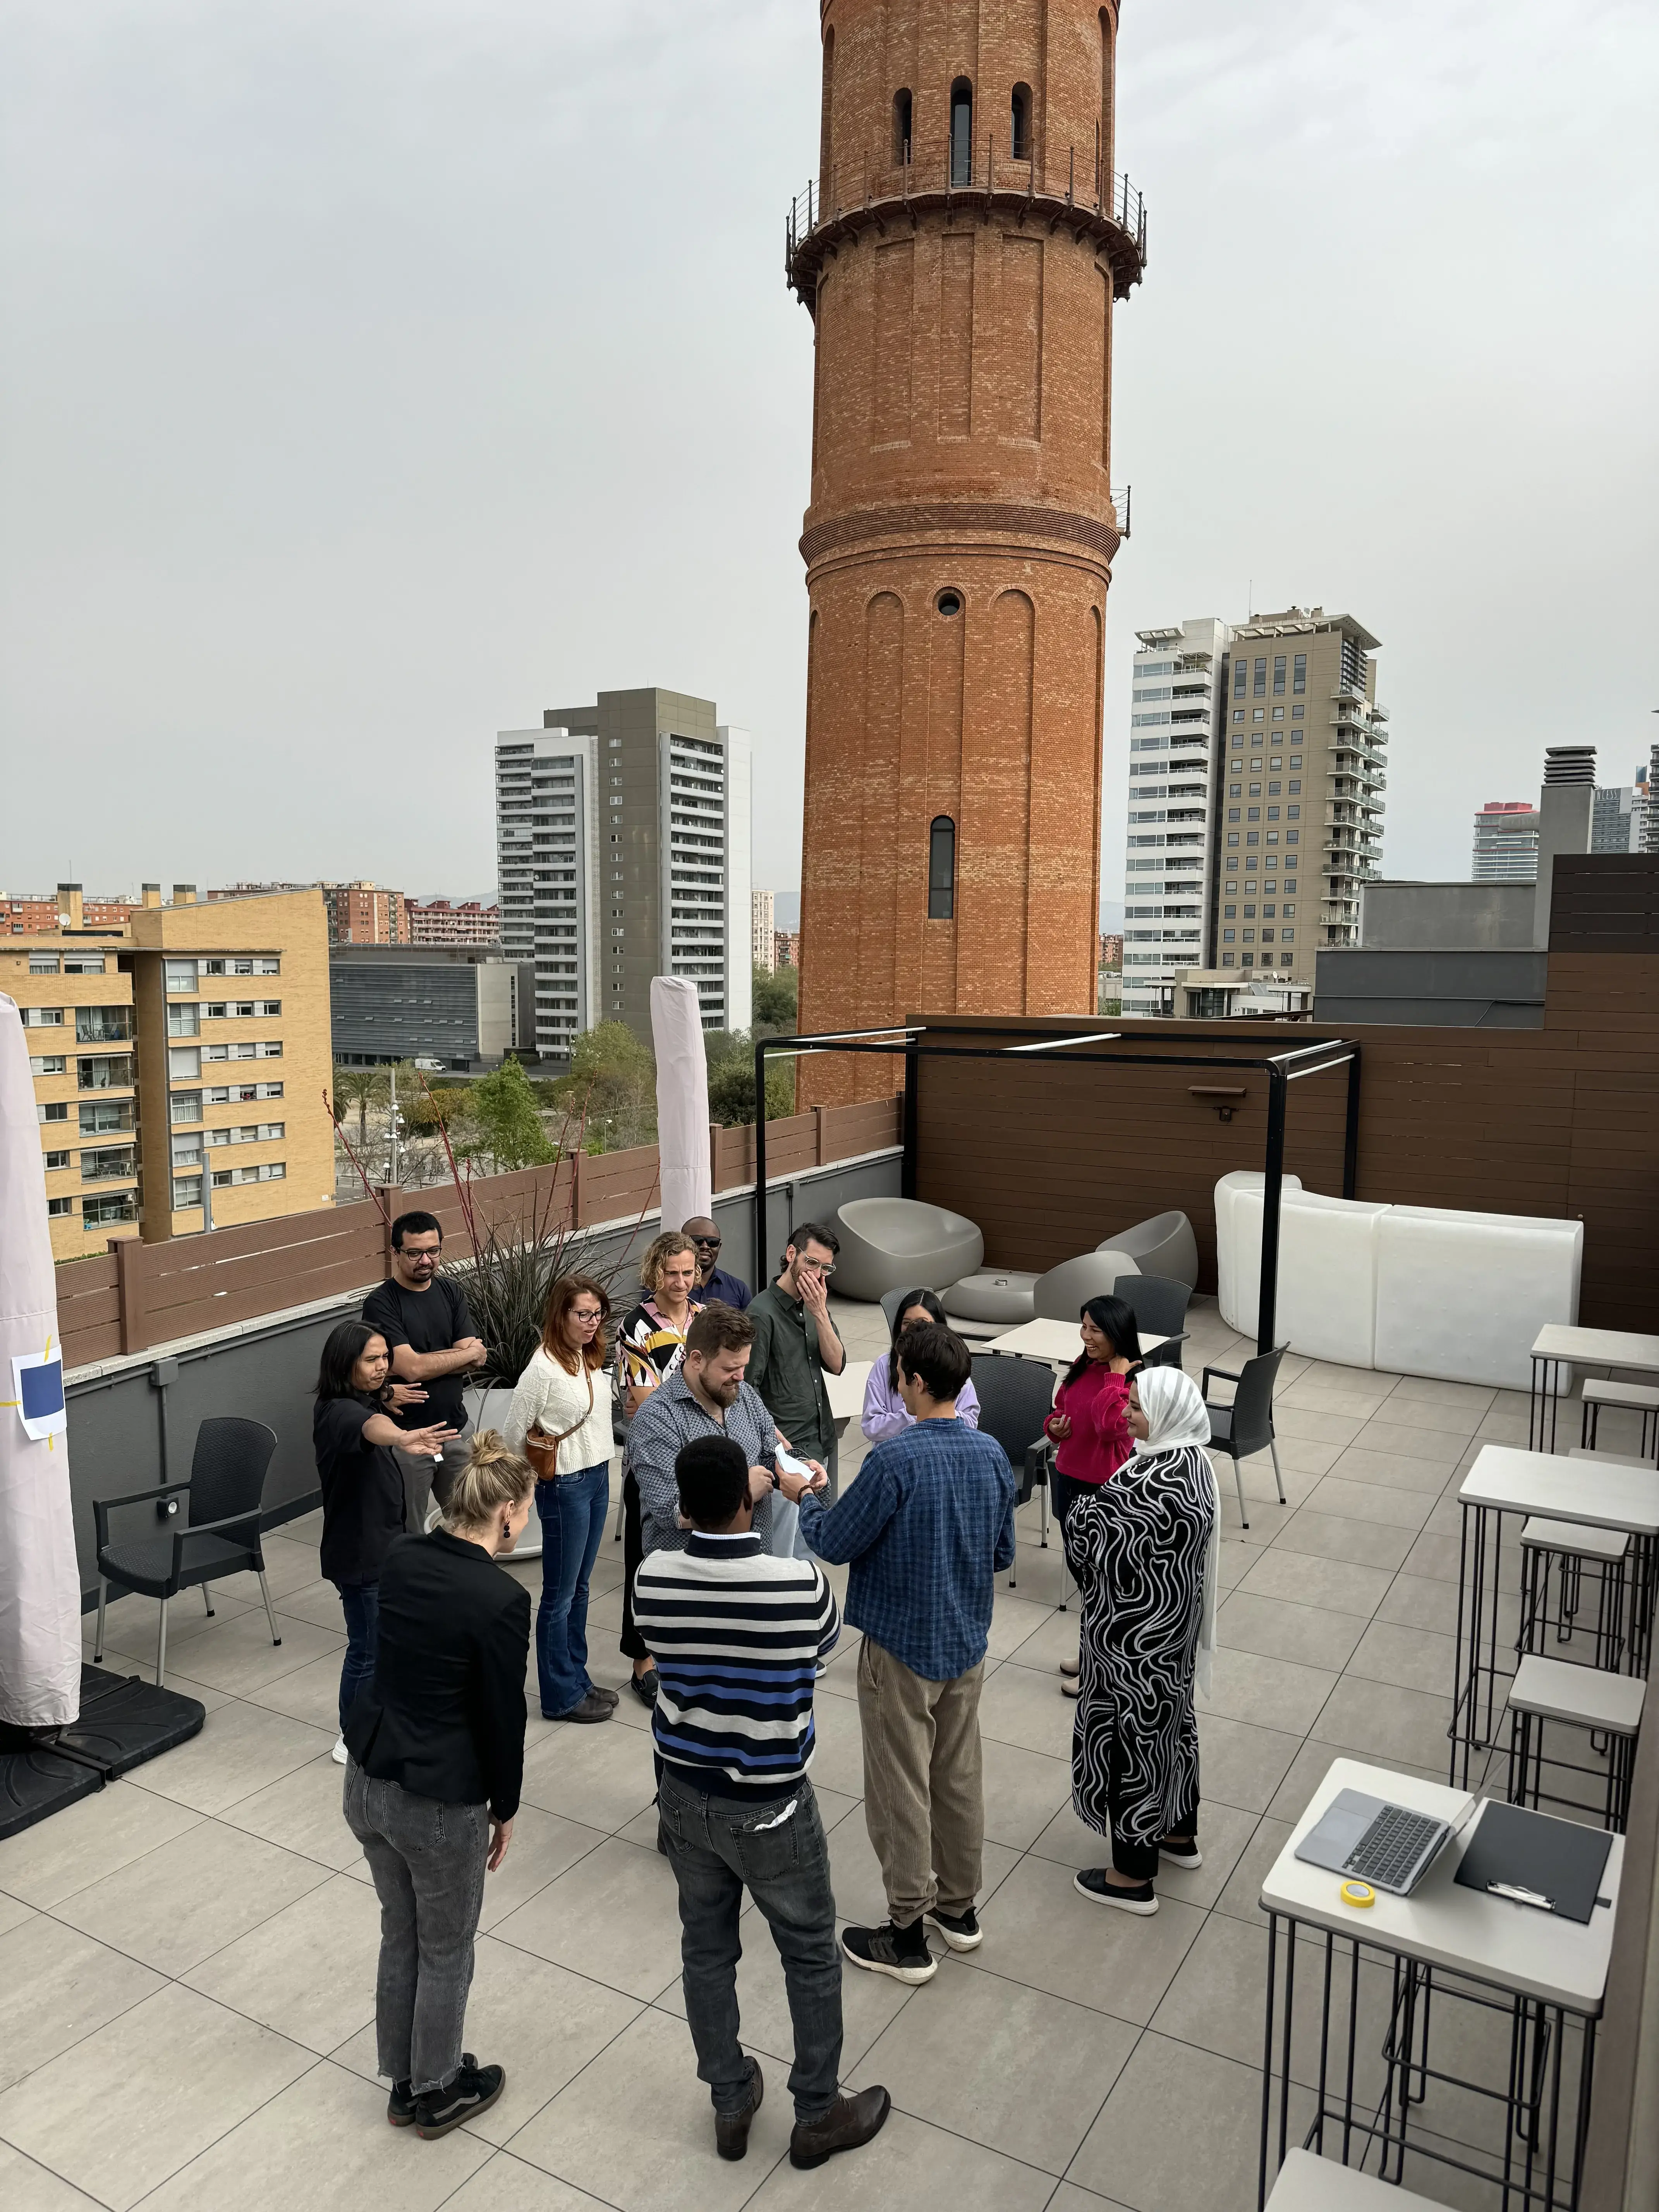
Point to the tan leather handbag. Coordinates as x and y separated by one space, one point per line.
542 1450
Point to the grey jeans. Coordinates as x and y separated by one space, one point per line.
719 1845
427 1861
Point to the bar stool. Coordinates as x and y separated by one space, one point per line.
1607 1706
1641 1398
1570 1548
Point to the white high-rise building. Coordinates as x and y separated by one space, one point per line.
623 837
1176 717
1505 842
763 932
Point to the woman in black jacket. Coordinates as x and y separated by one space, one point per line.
436 1745
363 1484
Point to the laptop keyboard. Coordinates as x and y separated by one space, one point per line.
1391 1847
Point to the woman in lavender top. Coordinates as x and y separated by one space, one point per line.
883 1408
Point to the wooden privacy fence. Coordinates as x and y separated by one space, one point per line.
138 1295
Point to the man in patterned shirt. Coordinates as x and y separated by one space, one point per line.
927 1526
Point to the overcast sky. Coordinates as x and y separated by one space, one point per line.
376 375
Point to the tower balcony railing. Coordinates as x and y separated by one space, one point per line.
872 191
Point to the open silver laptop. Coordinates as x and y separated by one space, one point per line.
1368 1839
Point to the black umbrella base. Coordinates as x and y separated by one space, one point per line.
123 1721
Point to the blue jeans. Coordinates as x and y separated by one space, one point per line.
360 1602
719 1845
572 1510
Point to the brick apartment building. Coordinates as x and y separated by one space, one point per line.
435 921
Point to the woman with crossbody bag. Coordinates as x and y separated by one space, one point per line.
560 1420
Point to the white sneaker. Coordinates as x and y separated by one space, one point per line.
338 1753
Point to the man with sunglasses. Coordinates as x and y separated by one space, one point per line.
714 1286
796 1345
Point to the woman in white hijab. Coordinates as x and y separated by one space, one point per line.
1143 1548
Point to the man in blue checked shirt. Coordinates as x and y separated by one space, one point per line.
927 1526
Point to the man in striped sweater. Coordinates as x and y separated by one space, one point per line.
737 1636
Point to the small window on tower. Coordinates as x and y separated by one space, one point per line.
942 869
949 603
900 130
1020 124
962 133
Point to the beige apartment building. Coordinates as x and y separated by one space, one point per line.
1299 828
180 1064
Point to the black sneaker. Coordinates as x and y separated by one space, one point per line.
474 2090
961 1930
1180 1851
644 1686
901 1952
1091 1883
400 2105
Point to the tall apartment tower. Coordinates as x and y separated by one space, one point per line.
1177 720
624 848
1505 842
960 252
764 908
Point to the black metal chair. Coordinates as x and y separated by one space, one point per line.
1158 1303
221 1536
1246 1426
1016 1397
890 1303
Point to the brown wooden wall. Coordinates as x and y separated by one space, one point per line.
1557 1121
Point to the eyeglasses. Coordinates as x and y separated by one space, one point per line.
824 1268
585 1320
707 1243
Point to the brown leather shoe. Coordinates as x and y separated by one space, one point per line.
731 2129
849 2122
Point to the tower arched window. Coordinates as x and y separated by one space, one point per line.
962 133
1019 133
902 113
942 869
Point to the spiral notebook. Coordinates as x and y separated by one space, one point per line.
1531 1858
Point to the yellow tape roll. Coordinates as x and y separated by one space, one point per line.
1357 1893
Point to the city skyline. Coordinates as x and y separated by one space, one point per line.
324 540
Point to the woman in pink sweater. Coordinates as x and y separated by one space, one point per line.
1090 1425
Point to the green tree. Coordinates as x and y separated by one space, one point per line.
357 1088
613 1083
776 1001
509 1123
731 1089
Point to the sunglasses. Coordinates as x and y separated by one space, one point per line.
707 1243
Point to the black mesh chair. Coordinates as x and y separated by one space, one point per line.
1016 1397
1160 1304
1246 1426
221 1537
891 1303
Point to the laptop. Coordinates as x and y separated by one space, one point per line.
1368 1839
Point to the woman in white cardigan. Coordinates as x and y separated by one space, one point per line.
562 1405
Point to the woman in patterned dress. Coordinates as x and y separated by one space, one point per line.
650 1346
1144 1549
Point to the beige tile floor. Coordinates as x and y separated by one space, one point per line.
187 1960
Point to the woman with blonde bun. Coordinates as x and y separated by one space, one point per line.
435 1745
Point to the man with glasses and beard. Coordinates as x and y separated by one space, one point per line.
424 1319
796 1345
714 1286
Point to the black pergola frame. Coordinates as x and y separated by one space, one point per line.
1281 1069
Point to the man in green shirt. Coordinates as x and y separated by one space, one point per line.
796 1344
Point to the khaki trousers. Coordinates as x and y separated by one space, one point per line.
923 1784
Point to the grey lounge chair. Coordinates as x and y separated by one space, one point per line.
1061 1293
899 1244
1164 1245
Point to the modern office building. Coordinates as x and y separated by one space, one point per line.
1505 842
624 848
181 1061
455 1003
1177 711
468 922
1616 822
762 945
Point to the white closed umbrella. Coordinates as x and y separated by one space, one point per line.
40 1583
682 1100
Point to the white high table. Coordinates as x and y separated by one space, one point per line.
846 1391
1561 1345
1593 1494
1056 1342
1543 1971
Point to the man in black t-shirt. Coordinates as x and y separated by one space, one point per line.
429 1331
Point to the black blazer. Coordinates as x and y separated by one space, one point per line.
444 1714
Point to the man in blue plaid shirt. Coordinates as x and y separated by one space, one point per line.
926 1527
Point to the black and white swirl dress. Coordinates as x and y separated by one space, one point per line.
1137 1546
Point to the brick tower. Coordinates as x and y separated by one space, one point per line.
960 252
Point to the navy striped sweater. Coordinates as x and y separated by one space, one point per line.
737 1636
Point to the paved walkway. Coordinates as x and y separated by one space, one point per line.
187 1960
